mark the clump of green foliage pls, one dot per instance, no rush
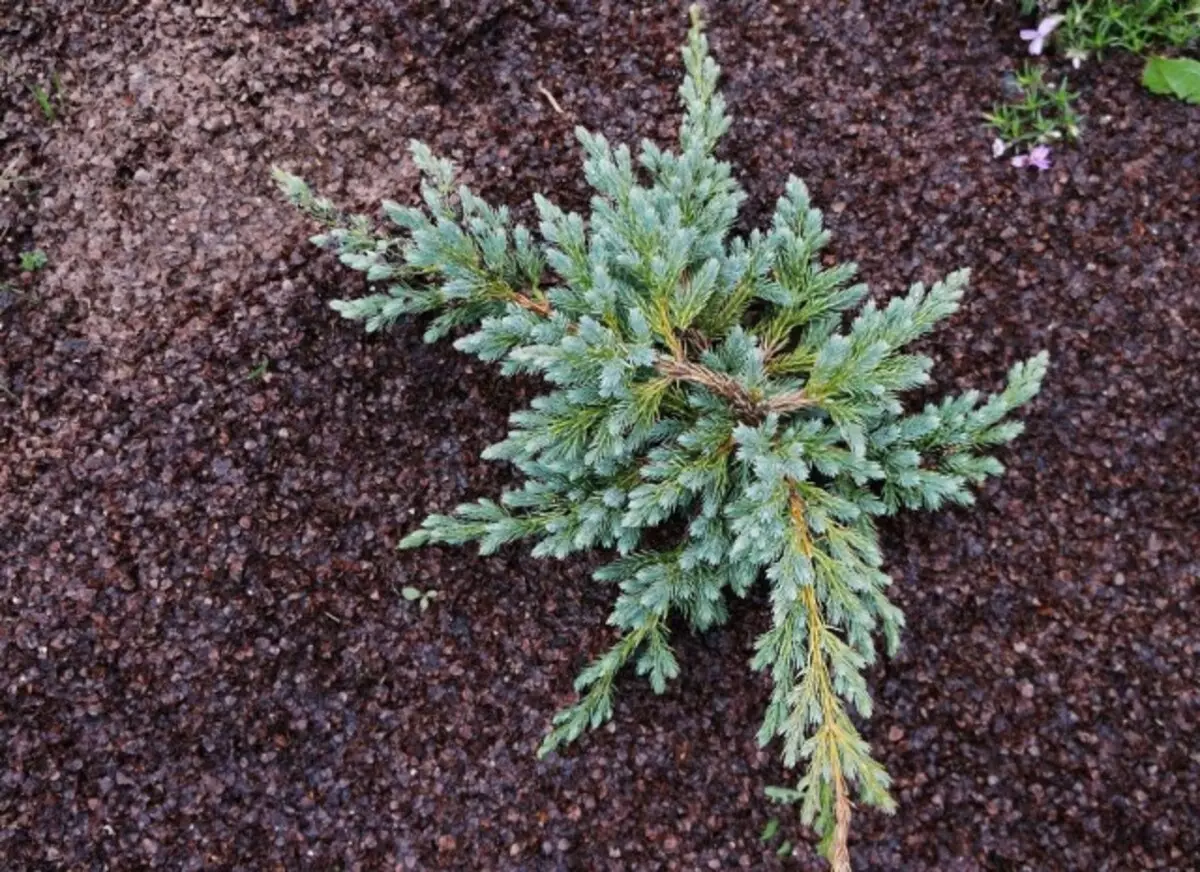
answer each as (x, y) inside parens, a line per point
(1042, 113)
(1135, 26)
(1085, 28)
(1094, 27)
(715, 415)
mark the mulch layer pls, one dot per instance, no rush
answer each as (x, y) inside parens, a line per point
(205, 659)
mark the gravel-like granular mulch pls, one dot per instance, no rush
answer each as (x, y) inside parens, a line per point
(204, 657)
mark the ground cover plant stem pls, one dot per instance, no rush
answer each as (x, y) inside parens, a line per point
(714, 417)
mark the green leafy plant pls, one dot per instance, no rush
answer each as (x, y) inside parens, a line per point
(32, 261)
(1175, 77)
(1043, 114)
(714, 416)
(1135, 26)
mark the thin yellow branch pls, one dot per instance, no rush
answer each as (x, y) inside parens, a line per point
(832, 712)
(662, 323)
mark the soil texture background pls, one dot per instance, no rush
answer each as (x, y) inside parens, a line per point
(205, 662)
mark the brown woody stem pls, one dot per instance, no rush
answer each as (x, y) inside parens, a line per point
(840, 855)
(747, 405)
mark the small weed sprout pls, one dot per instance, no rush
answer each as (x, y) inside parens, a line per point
(46, 97)
(721, 412)
(44, 102)
(259, 371)
(423, 598)
(32, 261)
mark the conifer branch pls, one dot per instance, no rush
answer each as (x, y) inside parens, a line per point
(750, 406)
(830, 734)
(833, 715)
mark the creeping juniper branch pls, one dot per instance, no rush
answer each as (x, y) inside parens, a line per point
(713, 416)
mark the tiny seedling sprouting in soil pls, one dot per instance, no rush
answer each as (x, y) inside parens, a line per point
(421, 597)
(47, 97)
(44, 102)
(32, 261)
(259, 371)
(769, 832)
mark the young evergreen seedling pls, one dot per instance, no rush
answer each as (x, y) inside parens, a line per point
(713, 417)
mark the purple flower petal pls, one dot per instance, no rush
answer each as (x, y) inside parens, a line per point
(1048, 24)
(1039, 157)
(1037, 38)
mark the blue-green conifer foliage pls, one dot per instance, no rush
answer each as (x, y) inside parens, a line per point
(729, 393)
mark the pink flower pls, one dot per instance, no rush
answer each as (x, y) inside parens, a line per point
(1038, 157)
(1037, 38)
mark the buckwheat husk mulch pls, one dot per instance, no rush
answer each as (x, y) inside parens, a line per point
(205, 658)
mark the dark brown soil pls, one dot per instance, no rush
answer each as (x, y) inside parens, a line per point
(204, 656)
